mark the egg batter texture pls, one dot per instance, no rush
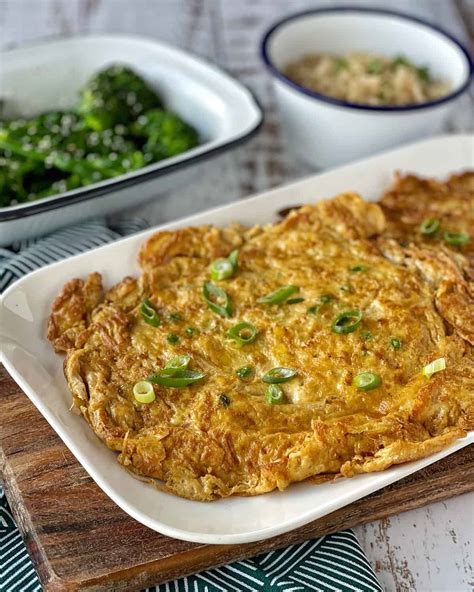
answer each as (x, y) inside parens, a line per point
(220, 436)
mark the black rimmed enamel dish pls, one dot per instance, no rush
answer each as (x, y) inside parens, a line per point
(324, 131)
(42, 77)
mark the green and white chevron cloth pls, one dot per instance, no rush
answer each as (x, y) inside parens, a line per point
(334, 563)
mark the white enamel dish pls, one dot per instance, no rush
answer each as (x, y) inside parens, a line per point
(39, 78)
(38, 371)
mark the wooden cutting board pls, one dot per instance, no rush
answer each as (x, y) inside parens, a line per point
(80, 540)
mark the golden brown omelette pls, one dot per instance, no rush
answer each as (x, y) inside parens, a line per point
(335, 342)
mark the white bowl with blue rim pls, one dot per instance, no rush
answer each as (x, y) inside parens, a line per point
(325, 131)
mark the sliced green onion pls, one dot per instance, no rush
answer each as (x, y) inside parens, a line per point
(326, 298)
(243, 333)
(345, 288)
(175, 316)
(222, 269)
(367, 335)
(279, 295)
(374, 67)
(274, 395)
(395, 343)
(143, 392)
(279, 374)
(456, 239)
(172, 338)
(176, 378)
(358, 268)
(401, 60)
(244, 372)
(224, 400)
(435, 366)
(423, 73)
(347, 321)
(340, 64)
(234, 259)
(430, 226)
(366, 381)
(313, 309)
(178, 363)
(217, 300)
(294, 300)
(190, 330)
(149, 314)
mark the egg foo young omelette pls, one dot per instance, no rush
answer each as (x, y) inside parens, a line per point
(245, 359)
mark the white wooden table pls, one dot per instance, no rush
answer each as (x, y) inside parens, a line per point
(425, 550)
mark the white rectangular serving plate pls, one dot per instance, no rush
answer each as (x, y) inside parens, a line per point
(30, 360)
(48, 76)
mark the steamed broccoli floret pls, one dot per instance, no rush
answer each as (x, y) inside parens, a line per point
(115, 96)
(166, 134)
(60, 140)
(21, 178)
(15, 174)
(62, 132)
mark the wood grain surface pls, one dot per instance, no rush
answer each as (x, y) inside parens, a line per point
(80, 540)
(429, 549)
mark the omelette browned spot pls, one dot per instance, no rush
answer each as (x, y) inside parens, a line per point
(202, 449)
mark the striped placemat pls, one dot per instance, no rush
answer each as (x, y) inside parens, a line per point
(334, 563)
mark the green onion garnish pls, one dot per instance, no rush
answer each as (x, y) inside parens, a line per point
(224, 400)
(358, 268)
(366, 381)
(176, 378)
(143, 392)
(234, 259)
(278, 296)
(340, 64)
(274, 395)
(326, 298)
(401, 60)
(243, 334)
(430, 226)
(374, 67)
(345, 288)
(178, 363)
(423, 73)
(175, 316)
(456, 239)
(347, 321)
(395, 343)
(190, 330)
(279, 374)
(435, 366)
(244, 372)
(149, 314)
(367, 335)
(217, 300)
(222, 269)
(172, 338)
(294, 300)
(313, 309)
